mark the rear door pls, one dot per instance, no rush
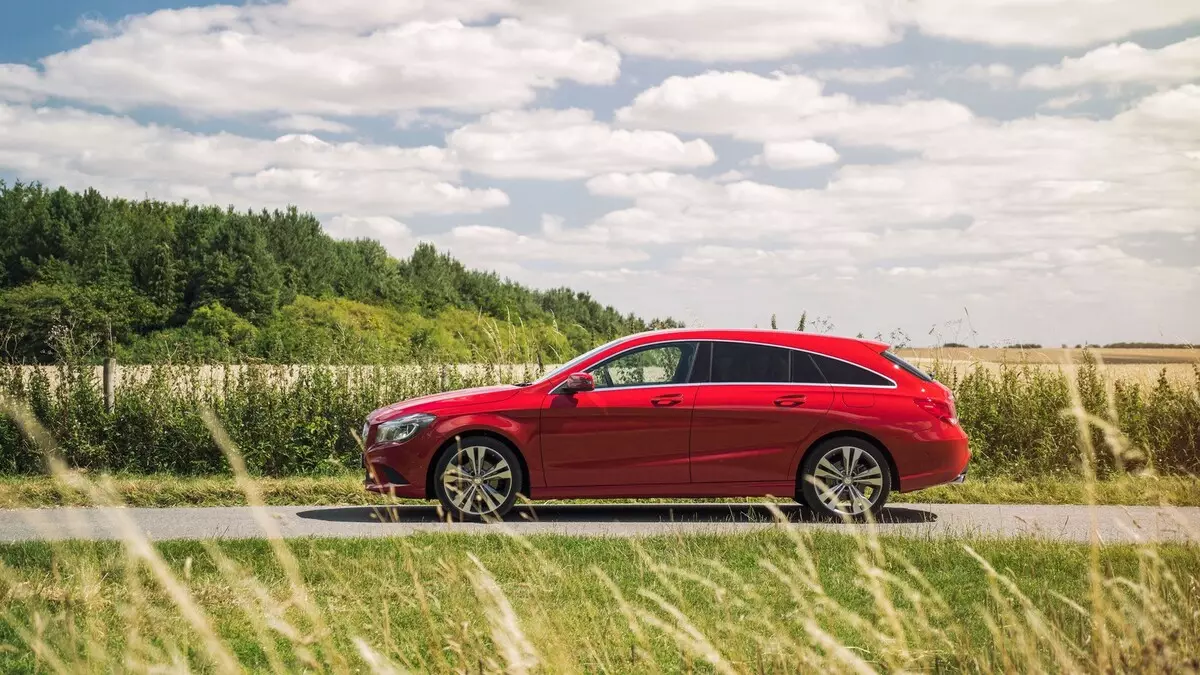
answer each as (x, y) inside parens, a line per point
(633, 429)
(759, 406)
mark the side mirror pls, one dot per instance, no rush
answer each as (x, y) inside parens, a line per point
(577, 382)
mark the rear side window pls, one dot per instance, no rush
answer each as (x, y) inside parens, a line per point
(740, 362)
(907, 367)
(842, 372)
(804, 371)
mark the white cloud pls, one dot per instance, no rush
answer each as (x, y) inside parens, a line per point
(482, 242)
(994, 74)
(723, 30)
(1064, 102)
(564, 144)
(310, 123)
(1046, 23)
(1125, 63)
(740, 104)
(797, 154)
(383, 58)
(224, 60)
(977, 187)
(484, 245)
(393, 234)
(1174, 114)
(119, 156)
(865, 75)
(409, 119)
(729, 176)
(783, 107)
(753, 30)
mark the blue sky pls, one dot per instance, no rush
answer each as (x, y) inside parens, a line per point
(887, 165)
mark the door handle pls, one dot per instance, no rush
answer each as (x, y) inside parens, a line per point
(666, 400)
(791, 401)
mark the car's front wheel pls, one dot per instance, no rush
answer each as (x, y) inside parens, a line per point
(845, 477)
(477, 479)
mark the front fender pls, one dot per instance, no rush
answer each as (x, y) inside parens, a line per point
(519, 431)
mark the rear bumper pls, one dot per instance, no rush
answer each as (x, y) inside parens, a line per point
(935, 463)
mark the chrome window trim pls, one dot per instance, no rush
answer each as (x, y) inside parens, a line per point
(623, 352)
(633, 386)
(893, 384)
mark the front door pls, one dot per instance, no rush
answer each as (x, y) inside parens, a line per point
(632, 429)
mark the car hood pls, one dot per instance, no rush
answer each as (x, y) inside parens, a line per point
(449, 399)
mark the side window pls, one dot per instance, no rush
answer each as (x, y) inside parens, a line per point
(804, 371)
(906, 366)
(740, 362)
(648, 366)
(842, 372)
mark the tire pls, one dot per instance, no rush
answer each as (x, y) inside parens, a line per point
(461, 479)
(870, 479)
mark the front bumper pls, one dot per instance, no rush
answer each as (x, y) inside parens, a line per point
(400, 469)
(387, 481)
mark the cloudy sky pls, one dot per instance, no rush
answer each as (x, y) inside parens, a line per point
(1034, 164)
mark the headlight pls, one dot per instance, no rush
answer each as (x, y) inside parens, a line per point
(402, 429)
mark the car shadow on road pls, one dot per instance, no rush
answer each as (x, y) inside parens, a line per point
(608, 513)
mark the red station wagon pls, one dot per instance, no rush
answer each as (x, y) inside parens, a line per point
(838, 423)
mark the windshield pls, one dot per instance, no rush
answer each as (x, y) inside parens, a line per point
(577, 360)
(906, 366)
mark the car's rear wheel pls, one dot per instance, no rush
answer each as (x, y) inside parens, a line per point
(845, 477)
(477, 479)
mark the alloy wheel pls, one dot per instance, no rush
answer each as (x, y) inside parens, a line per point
(849, 480)
(478, 480)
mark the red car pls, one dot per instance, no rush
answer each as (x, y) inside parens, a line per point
(837, 423)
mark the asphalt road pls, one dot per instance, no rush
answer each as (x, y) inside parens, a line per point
(1067, 523)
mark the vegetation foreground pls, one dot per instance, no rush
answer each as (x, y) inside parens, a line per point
(777, 601)
(781, 600)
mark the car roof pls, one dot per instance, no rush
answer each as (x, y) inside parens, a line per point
(784, 338)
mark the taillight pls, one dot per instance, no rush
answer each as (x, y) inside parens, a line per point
(942, 410)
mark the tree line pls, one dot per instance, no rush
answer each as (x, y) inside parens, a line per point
(85, 276)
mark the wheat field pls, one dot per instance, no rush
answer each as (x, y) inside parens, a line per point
(1139, 365)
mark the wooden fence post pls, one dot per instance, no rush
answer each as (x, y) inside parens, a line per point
(110, 383)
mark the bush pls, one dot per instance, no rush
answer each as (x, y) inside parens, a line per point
(299, 420)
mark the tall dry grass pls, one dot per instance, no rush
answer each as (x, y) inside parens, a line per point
(807, 604)
(1014, 415)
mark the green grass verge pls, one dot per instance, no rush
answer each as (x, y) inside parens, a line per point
(760, 602)
(347, 490)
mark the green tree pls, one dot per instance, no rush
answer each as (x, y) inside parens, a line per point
(135, 274)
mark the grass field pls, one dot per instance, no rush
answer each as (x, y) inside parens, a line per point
(780, 600)
(1132, 365)
(767, 602)
(1055, 355)
(347, 489)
